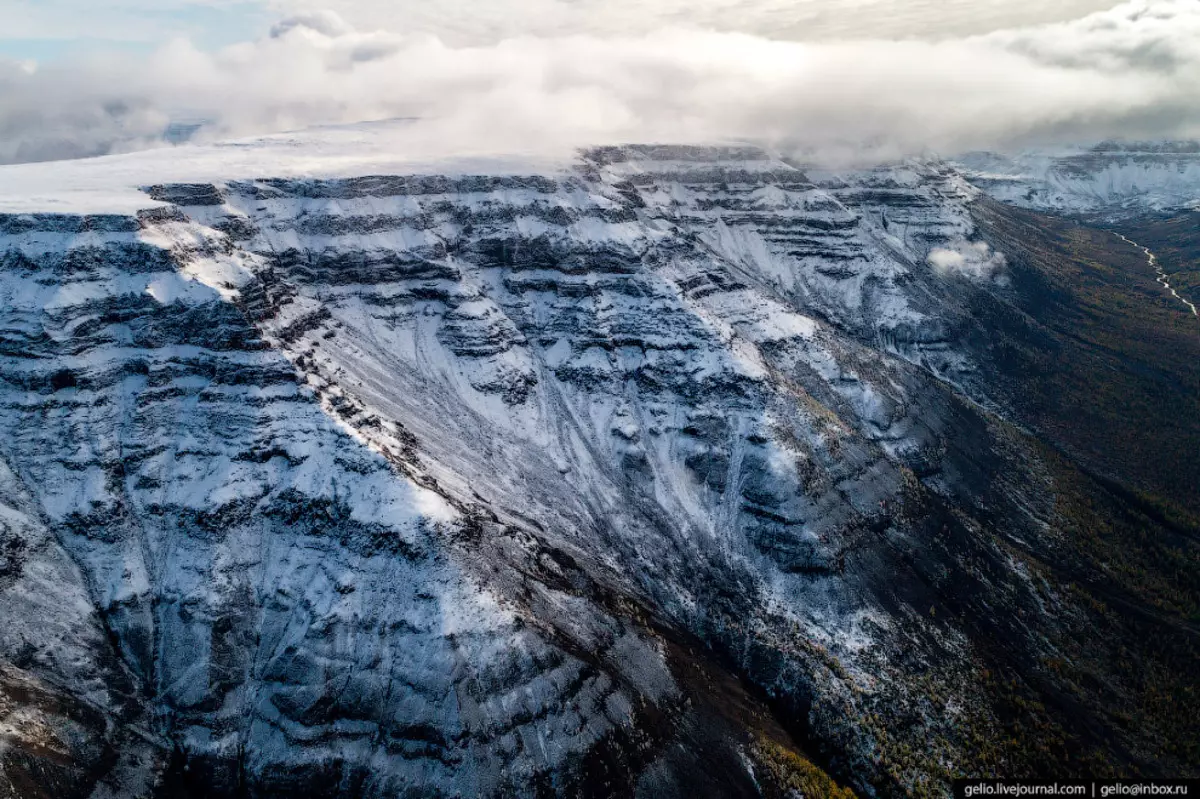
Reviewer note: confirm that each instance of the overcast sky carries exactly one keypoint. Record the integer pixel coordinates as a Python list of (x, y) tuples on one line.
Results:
[(51, 28), (833, 76), (469, 20)]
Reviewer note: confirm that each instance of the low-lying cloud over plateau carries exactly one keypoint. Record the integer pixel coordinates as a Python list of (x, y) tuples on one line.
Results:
[(973, 259), (1132, 71)]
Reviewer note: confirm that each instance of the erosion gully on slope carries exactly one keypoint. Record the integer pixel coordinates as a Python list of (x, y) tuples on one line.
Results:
[(1162, 275)]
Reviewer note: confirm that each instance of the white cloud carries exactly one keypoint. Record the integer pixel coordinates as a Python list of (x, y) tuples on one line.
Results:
[(471, 21), (973, 259), (1132, 71), (324, 22)]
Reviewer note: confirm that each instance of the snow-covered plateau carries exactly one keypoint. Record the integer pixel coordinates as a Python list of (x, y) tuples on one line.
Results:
[(1110, 180), (333, 473)]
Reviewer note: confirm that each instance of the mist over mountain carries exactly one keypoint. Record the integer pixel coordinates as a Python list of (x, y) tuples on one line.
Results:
[(1125, 72)]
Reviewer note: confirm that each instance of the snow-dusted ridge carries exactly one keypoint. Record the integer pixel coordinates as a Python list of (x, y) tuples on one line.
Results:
[(1110, 180), (383, 473)]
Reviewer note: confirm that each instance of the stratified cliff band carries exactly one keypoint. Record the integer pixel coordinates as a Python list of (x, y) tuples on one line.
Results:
[(684, 471)]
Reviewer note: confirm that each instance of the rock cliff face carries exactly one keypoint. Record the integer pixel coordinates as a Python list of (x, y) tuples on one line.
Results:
[(619, 480), (1110, 182)]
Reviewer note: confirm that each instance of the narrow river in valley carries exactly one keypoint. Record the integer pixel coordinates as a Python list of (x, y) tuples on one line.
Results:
[(1162, 276)]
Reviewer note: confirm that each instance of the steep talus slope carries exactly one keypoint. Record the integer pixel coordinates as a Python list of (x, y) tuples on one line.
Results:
[(481, 485), (277, 594), (1105, 362), (1081, 346)]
